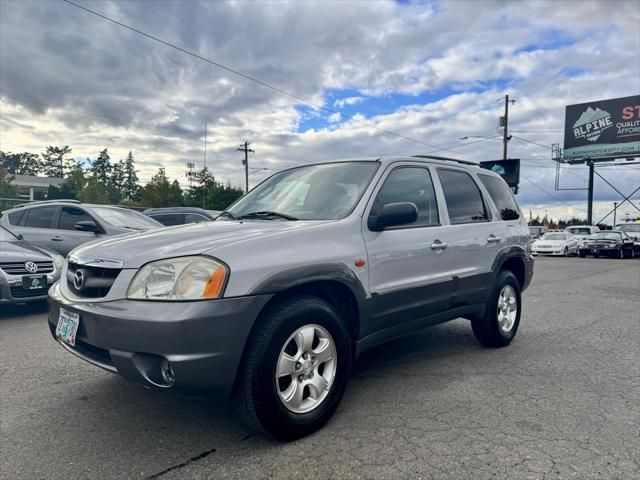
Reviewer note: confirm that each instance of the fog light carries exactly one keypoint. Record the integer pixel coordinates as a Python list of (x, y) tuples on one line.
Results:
[(166, 370)]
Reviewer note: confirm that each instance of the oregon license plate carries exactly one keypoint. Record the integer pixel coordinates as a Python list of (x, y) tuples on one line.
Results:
[(67, 327)]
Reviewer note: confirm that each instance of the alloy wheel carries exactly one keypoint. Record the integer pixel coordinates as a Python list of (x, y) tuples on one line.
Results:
[(306, 368), (507, 308)]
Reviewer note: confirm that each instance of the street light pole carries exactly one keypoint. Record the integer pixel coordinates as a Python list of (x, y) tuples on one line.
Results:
[(615, 208)]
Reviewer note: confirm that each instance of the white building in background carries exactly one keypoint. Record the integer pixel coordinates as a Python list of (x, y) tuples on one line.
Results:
[(34, 188)]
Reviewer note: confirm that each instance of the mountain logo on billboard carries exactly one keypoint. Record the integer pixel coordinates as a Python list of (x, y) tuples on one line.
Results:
[(591, 124)]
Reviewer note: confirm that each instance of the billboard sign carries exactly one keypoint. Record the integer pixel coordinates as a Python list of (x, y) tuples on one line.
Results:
[(604, 129), (509, 170)]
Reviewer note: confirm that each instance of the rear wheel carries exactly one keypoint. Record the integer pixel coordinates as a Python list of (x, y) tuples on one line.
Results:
[(295, 368), (501, 319)]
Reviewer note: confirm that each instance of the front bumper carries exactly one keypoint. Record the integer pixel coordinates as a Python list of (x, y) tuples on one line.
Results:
[(203, 340), (11, 290), (600, 250)]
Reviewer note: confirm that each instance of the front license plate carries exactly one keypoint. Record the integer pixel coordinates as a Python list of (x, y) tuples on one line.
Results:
[(34, 282), (67, 326)]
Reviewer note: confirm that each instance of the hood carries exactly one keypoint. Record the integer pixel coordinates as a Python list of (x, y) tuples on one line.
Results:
[(22, 251), (136, 249), (550, 242)]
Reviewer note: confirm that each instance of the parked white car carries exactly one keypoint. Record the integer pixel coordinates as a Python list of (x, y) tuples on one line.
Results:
[(582, 232), (555, 243)]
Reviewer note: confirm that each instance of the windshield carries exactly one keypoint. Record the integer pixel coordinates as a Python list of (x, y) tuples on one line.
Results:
[(579, 231), (609, 236), (124, 218), (554, 236), (6, 235), (315, 192), (629, 227), (535, 230)]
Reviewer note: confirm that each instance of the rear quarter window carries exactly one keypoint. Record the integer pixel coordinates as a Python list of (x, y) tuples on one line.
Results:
[(501, 196), (14, 217)]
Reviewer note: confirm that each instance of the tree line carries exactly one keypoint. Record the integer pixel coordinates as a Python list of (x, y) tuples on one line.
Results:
[(104, 181)]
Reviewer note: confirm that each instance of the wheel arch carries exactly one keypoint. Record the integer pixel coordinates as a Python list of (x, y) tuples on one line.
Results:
[(517, 262)]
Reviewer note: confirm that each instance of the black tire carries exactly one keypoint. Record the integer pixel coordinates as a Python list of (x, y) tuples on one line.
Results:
[(566, 251), (255, 394), (486, 328), (582, 254), (621, 254)]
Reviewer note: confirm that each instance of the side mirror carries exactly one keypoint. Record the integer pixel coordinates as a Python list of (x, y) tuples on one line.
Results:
[(393, 214), (87, 226)]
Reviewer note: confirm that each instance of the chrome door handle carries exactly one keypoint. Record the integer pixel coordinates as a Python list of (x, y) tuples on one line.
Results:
[(438, 245), (57, 239), (493, 239)]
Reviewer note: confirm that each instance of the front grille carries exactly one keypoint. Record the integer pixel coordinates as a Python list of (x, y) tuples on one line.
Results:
[(18, 268), (19, 292), (97, 280)]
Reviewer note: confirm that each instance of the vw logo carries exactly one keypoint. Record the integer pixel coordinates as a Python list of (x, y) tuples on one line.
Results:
[(78, 280), (31, 267)]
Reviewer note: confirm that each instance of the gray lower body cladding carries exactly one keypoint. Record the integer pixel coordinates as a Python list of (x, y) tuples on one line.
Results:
[(203, 341)]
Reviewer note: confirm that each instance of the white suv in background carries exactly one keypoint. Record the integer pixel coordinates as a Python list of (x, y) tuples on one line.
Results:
[(582, 232)]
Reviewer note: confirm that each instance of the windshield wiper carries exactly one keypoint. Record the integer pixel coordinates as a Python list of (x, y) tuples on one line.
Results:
[(228, 214), (267, 214)]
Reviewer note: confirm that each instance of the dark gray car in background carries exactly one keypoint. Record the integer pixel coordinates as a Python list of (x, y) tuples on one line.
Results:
[(170, 216), (26, 271), (62, 225)]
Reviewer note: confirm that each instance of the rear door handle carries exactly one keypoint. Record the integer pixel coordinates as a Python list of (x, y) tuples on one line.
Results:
[(438, 245), (493, 239), (57, 239)]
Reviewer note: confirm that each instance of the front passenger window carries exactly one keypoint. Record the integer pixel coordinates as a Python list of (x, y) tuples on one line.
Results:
[(70, 216), (414, 185)]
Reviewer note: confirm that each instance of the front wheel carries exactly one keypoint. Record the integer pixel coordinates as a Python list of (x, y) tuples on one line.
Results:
[(295, 368), (582, 254), (566, 251), (501, 319), (621, 254)]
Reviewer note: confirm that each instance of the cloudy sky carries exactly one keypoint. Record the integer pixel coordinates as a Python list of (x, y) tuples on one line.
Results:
[(432, 71)]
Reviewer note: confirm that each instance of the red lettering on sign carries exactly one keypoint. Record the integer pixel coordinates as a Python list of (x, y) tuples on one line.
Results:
[(628, 112)]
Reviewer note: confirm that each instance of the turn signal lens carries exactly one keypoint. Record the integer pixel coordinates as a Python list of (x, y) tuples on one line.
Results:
[(213, 287)]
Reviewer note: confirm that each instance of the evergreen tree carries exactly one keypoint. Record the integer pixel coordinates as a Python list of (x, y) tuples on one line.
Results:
[(159, 192), (130, 185), (210, 194), (54, 161), (101, 168), (23, 163)]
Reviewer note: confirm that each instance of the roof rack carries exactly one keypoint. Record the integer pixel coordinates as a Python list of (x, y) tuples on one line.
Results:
[(447, 159), (40, 202)]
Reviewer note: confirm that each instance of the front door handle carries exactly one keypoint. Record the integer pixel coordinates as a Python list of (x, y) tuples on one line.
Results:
[(493, 239), (57, 239), (438, 245)]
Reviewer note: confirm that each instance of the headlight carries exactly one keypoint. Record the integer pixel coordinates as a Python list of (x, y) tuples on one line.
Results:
[(183, 278), (58, 261)]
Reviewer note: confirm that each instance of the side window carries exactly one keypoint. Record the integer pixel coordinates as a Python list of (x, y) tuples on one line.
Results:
[(194, 218), (410, 184), (463, 197), (41, 217), (14, 217), (502, 197), (70, 216)]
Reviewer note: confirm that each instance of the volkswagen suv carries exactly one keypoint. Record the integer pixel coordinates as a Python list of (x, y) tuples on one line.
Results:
[(273, 301)]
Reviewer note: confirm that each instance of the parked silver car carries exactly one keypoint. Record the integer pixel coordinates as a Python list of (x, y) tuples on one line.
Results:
[(26, 271), (273, 301), (62, 225)]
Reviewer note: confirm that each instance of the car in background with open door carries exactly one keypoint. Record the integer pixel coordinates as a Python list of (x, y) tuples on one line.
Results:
[(62, 225)]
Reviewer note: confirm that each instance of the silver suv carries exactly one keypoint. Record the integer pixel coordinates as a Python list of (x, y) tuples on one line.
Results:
[(272, 302), (62, 225)]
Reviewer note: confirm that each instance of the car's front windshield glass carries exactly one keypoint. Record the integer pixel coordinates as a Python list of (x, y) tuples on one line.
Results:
[(124, 218), (579, 231), (630, 227), (6, 235), (315, 192), (609, 236), (554, 236)]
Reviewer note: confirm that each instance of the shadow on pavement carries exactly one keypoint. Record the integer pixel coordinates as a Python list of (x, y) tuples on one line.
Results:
[(17, 310)]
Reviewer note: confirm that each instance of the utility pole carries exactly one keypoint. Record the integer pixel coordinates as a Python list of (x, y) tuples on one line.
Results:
[(204, 168), (504, 122), (590, 194), (245, 148), (615, 208)]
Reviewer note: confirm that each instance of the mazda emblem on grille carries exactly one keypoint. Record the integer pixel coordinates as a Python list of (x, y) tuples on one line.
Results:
[(78, 280), (31, 267)]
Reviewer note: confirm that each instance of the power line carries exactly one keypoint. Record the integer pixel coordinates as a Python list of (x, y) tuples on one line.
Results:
[(240, 74), (549, 194)]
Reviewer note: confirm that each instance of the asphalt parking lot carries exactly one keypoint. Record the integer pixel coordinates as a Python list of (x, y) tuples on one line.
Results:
[(563, 401)]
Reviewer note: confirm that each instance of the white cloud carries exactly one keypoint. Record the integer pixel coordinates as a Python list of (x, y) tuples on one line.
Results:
[(92, 85)]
